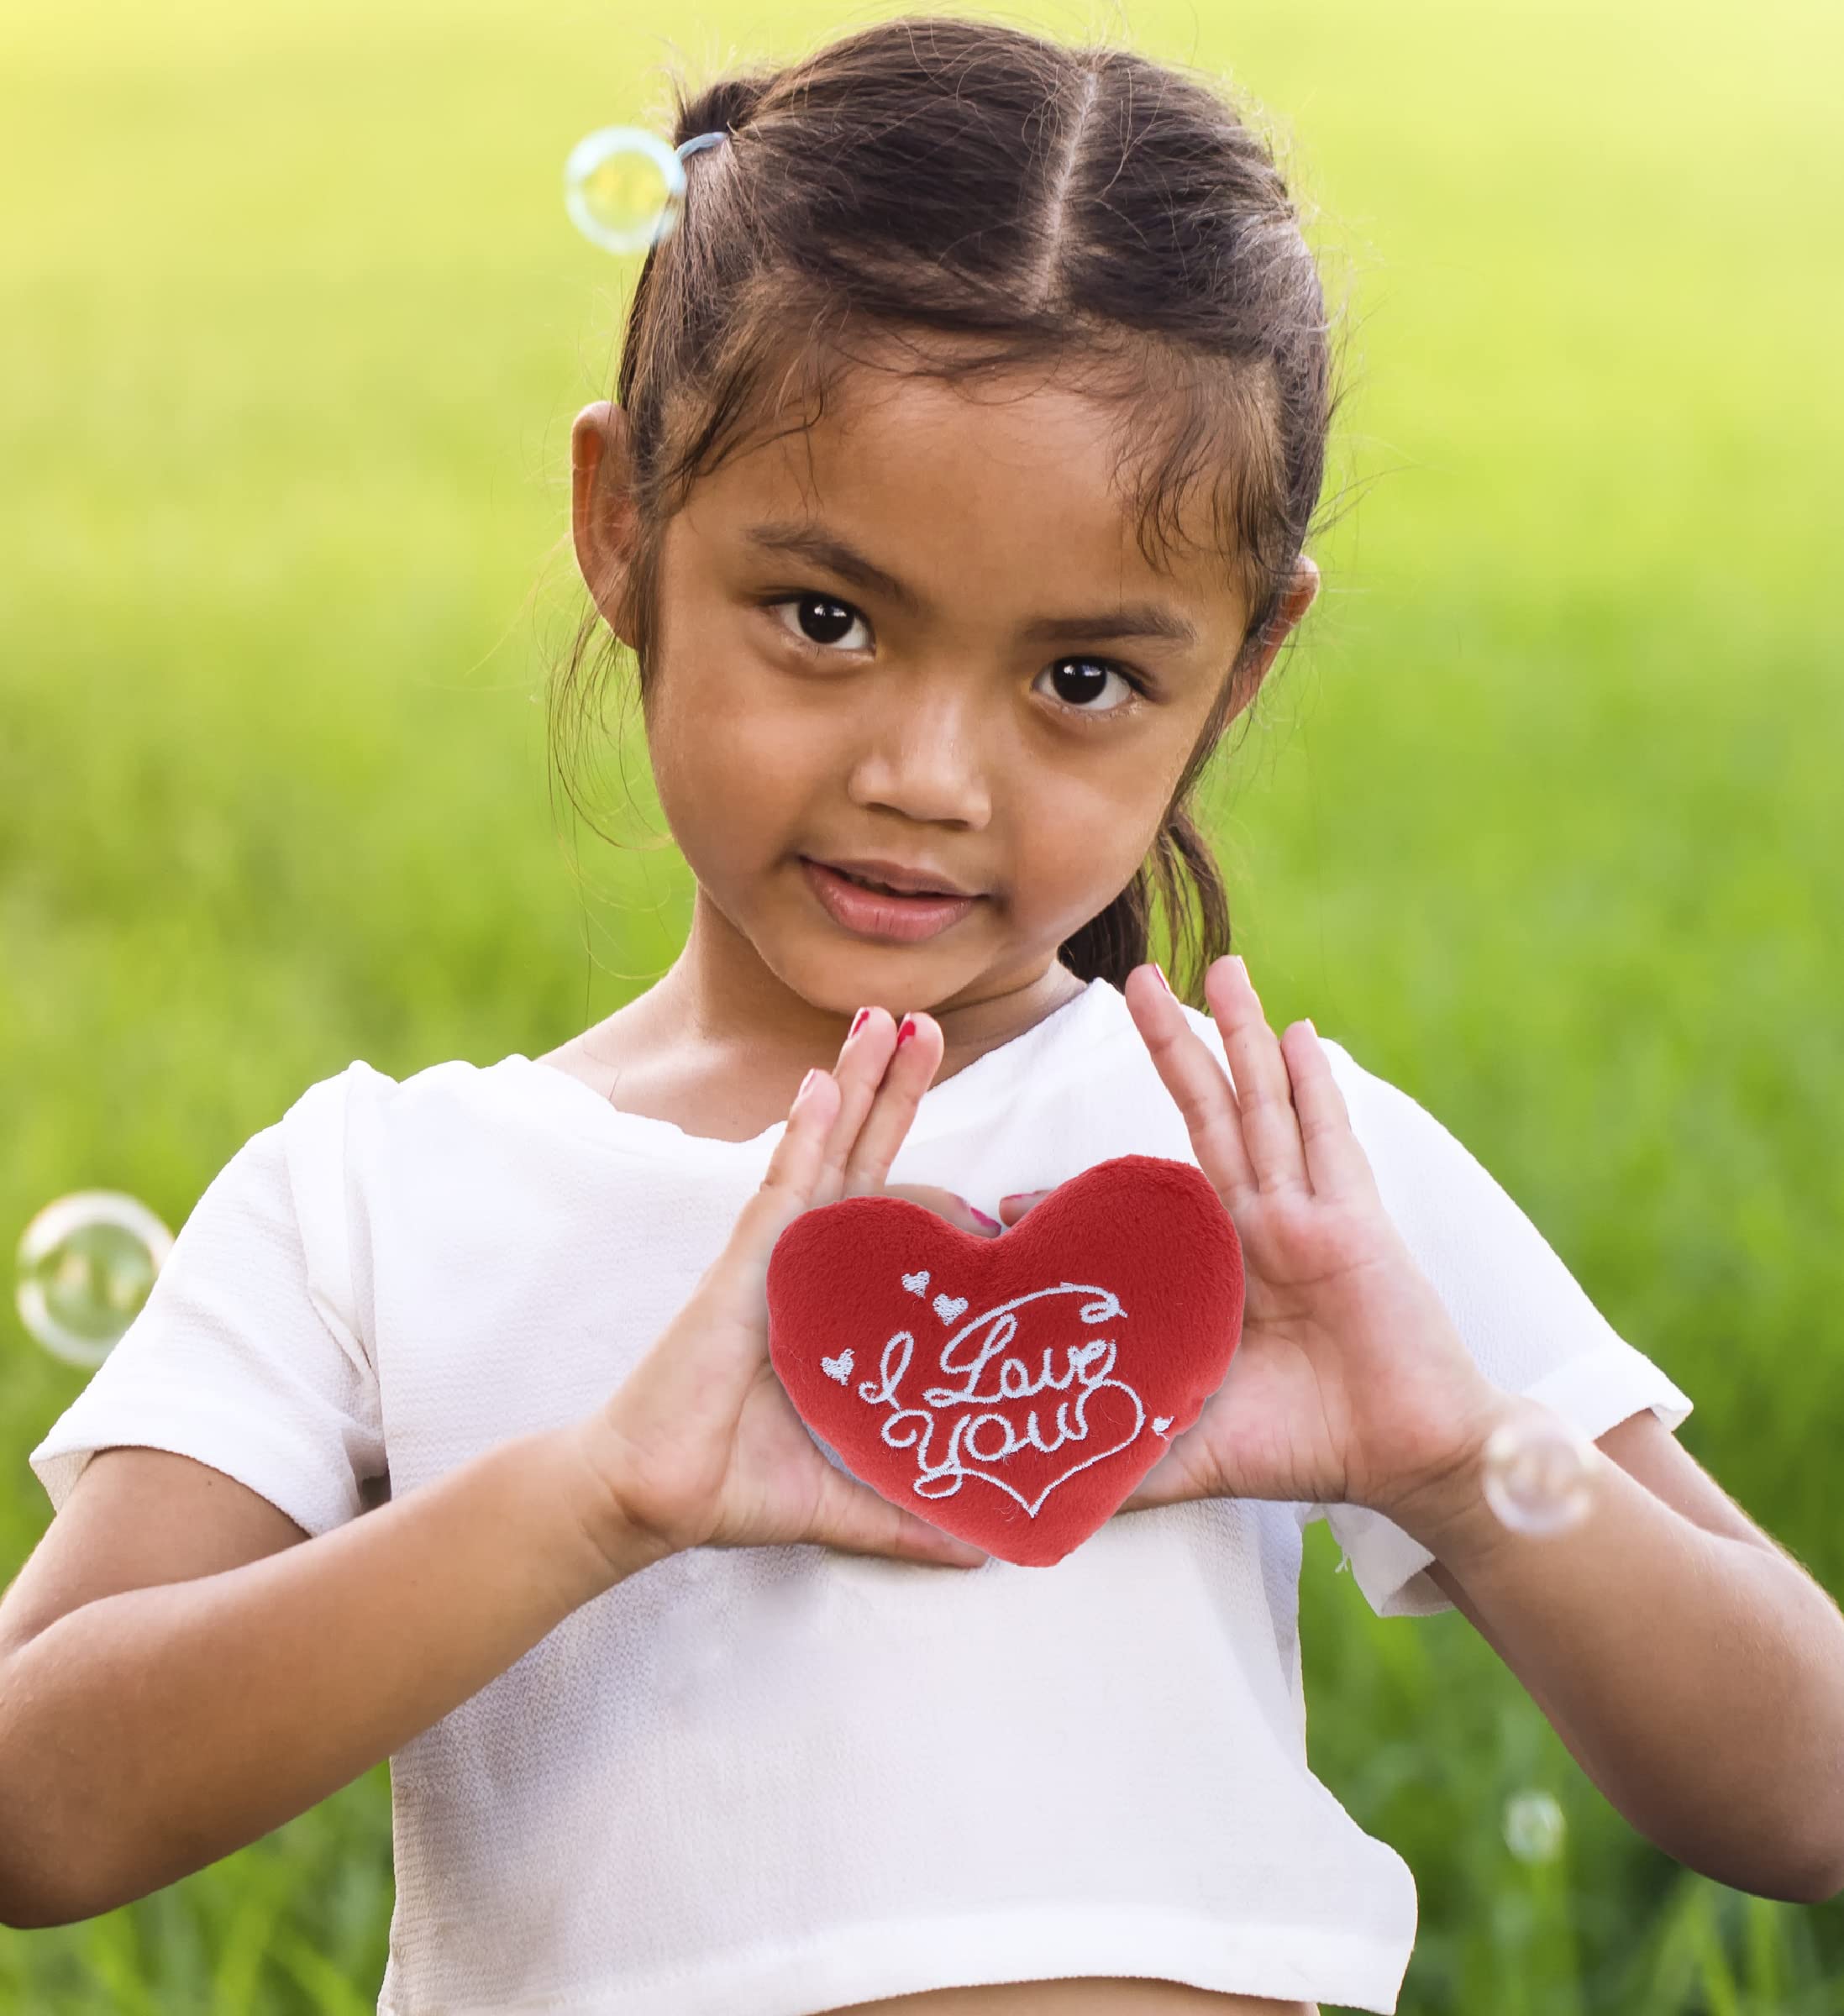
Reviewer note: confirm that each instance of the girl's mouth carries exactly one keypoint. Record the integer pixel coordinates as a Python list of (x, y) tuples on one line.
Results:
[(870, 911)]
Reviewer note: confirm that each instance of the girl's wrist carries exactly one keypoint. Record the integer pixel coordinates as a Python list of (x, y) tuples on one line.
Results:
[(584, 1463), (1446, 1508)]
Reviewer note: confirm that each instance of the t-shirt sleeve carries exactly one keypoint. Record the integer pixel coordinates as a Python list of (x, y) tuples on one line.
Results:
[(248, 1354), (1527, 1320)]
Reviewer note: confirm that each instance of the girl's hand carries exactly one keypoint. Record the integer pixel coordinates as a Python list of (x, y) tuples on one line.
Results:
[(1350, 1385), (701, 1447)]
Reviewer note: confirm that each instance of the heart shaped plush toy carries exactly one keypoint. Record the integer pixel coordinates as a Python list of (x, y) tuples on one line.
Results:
[(1012, 1390)]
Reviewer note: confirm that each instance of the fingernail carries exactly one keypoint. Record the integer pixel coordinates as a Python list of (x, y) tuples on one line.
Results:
[(858, 1023), (807, 1085), (1163, 981), (1018, 1196), (976, 1212), (904, 1030), (1308, 1020)]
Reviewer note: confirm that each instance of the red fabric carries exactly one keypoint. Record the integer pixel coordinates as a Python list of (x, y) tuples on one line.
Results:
[(923, 1386)]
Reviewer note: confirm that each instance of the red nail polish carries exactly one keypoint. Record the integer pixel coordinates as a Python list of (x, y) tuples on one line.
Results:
[(858, 1022), (906, 1029), (983, 1218)]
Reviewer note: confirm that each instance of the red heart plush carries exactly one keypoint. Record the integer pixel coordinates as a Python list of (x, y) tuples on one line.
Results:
[(1012, 1390)]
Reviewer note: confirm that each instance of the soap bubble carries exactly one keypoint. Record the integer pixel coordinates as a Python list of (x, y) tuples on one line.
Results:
[(85, 1265), (1533, 1827), (1538, 1473), (624, 188)]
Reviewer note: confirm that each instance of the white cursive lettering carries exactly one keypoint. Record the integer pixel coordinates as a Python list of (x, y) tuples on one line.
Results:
[(988, 1436)]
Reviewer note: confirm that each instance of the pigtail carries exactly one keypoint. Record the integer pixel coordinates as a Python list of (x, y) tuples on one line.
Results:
[(725, 107), (1180, 876)]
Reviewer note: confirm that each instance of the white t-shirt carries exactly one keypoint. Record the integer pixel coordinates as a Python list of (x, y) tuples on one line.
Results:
[(765, 1782)]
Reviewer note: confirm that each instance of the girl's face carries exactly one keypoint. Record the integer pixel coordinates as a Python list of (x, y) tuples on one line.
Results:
[(921, 634)]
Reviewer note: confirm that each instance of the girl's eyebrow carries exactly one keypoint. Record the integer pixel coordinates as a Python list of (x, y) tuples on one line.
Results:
[(826, 549)]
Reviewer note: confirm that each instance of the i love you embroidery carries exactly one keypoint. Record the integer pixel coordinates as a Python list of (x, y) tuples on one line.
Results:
[(1105, 1318)]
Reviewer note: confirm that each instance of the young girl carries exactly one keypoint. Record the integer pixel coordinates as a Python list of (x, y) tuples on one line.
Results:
[(969, 429)]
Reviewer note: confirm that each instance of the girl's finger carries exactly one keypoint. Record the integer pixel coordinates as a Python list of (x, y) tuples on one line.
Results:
[(1204, 1096), (947, 1204), (853, 1518), (862, 1057), (912, 1064), (1264, 1092), (1016, 1203), (1335, 1158), (793, 1174)]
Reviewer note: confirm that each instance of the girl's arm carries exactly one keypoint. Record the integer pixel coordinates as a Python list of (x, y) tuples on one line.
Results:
[(151, 1731), (1695, 1671), (1694, 1675)]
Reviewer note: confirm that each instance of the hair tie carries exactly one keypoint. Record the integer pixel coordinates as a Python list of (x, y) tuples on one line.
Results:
[(700, 139)]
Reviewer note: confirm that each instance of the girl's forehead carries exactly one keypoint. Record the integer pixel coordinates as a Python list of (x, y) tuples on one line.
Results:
[(1021, 476)]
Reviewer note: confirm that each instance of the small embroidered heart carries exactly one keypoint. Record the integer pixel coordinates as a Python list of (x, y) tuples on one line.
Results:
[(1100, 1323), (839, 1369), (917, 1285)]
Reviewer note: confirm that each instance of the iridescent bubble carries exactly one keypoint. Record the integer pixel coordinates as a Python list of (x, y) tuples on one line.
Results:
[(1533, 1827), (624, 188), (85, 1265), (1538, 1473)]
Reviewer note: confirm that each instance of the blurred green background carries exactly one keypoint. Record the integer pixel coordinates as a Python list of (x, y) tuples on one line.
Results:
[(1541, 820)]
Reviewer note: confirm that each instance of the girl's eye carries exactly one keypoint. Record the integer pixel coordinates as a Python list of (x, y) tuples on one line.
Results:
[(1081, 680), (824, 619)]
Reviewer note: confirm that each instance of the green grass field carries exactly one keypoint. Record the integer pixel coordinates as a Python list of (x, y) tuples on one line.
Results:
[(1541, 819)]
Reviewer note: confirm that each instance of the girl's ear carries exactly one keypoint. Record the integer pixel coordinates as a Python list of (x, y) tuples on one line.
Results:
[(1297, 599), (601, 504)]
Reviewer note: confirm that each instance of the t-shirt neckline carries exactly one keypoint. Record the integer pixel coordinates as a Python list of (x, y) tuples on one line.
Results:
[(939, 1106)]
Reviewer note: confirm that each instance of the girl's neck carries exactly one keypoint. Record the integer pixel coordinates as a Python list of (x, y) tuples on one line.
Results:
[(718, 1043), (722, 997)]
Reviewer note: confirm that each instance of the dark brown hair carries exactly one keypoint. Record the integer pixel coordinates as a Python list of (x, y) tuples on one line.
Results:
[(1030, 202)]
